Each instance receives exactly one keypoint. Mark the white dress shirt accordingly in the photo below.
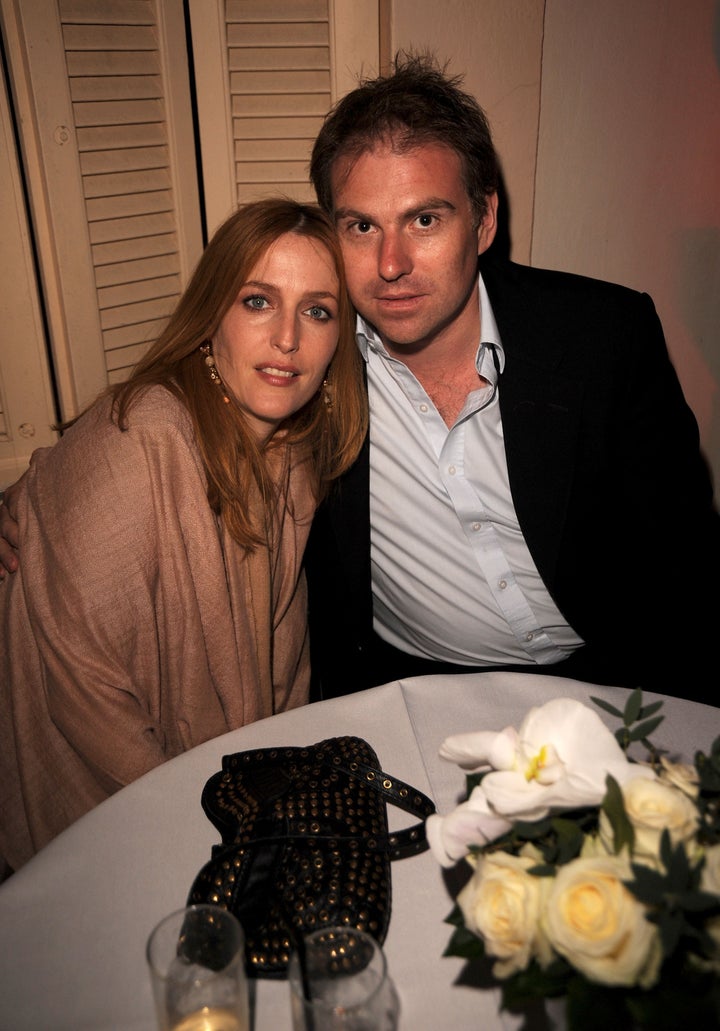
(452, 576)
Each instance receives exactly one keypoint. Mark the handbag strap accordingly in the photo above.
(410, 840)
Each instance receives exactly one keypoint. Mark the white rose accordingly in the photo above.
(501, 904)
(594, 922)
(653, 807)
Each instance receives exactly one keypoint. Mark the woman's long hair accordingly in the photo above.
(327, 438)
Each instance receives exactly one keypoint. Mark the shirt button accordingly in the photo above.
(423, 408)
(502, 584)
(452, 470)
(529, 636)
(476, 526)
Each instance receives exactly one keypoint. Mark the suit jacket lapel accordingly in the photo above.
(540, 409)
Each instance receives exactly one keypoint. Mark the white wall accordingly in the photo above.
(607, 120)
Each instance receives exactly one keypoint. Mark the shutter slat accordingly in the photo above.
(144, 311)
(138, 290)
(97, 161)
(109, 62)
(302, 192)
(104, 137)
(278, 10)
(124, 206)
(271, 172)
(282, 149)
(276, 128)
(107, 253)
(109, 37)
(289, 34)
(260, 59)
(121, 112)
(124, 337)
(132, 271)
(127, 228)
(115, 87)
(280, 82)
(143, 181)
(113, 12)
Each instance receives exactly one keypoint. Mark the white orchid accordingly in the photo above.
(472, 823)
(559, 759)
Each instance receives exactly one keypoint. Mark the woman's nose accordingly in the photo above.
(286, 337)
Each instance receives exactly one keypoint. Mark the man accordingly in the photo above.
(531, 495)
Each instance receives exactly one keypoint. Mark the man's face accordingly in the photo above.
(407, 232)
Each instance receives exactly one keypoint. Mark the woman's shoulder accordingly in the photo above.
(157, 406)
(155, 415)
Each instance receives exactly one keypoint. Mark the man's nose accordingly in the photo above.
(394, 259)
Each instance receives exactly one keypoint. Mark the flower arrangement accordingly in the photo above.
(594, 878)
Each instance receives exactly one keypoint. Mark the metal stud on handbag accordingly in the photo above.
(305, 844)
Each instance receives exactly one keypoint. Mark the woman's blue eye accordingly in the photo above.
(256, 302)
(316, 312)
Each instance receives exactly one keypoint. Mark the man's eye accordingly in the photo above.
(425, 220)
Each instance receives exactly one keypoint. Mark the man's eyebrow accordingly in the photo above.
(428, 204)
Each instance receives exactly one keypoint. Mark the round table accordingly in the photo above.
(75, 919)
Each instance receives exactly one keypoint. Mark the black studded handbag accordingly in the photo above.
(305, 844)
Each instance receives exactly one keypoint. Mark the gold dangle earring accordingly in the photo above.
(209, 359)
(328, 394)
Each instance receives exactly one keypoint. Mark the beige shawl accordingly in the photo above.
(136, 627)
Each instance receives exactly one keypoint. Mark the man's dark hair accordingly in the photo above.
(416, 103)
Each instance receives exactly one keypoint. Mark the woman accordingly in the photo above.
(178, 613)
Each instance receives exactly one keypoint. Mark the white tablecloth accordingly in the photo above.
(74, 921)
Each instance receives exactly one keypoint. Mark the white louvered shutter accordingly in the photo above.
(108, 90)
(102, 91)
(266, 73)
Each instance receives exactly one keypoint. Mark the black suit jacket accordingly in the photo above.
(610, 488)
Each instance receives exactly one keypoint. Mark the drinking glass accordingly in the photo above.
(339, 982)
(196, 958)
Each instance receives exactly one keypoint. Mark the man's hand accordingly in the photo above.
(9, 536)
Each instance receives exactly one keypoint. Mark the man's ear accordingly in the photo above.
(488, 227)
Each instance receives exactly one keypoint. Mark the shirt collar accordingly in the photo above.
(490, 342)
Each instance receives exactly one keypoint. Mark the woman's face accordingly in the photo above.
(274, 345)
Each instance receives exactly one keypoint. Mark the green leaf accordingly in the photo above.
(646, 728)
(465, 944)
(543, 870)
(455, 917)
(569, 839)
(648, 886)
(622, 736)
(614, 807)
(632, 707)
(704, 902)
(650, 710)
(607, 707)
(670, 924)
(593, 1007)
(532, 831)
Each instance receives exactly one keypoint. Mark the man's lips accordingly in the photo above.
(398, 302)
